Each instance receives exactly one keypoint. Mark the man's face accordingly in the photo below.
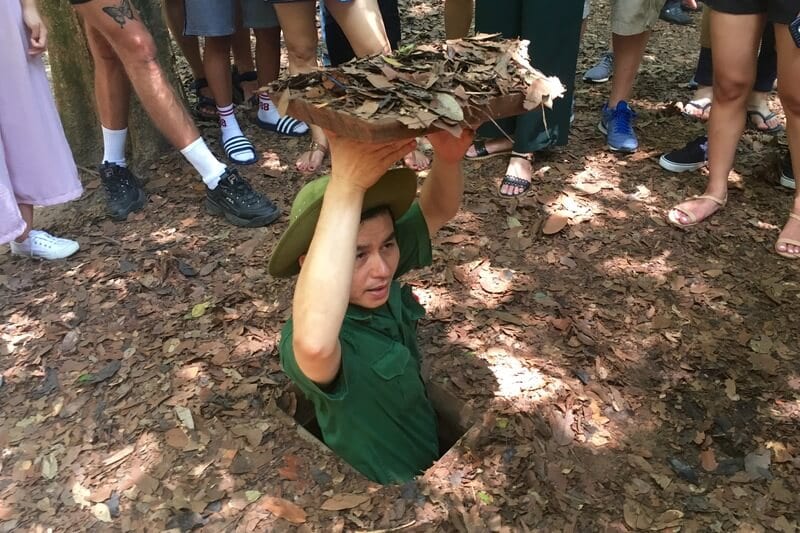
(377, 257)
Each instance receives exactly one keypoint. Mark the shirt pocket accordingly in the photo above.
(398, 377)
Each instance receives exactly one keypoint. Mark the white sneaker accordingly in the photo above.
(44, 246)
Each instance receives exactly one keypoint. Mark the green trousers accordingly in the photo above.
(553, 28)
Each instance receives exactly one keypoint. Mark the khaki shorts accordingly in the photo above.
(631, 17)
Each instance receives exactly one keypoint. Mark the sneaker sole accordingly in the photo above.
(788, 182)
(256, 222)
(134, 206)
(604, 131)
(666, 164)
(596, 80)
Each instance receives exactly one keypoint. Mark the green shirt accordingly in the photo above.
(377, 415)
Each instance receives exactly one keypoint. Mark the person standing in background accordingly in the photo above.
(36, 164)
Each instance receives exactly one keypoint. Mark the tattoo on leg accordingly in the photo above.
(121, 13)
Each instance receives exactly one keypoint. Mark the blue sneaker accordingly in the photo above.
(617, 125)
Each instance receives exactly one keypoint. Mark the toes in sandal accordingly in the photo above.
(314, 146)
(291, 127)
(239, 145)
(516, 181)
(693, 220)
(481, 152)
(415, 157)
(764, 119)
(702, 105)
(790, 242)
(513, 181)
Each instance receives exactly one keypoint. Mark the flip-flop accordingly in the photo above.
(285, 126)
(693, 220)
(237, 145)
(698, 105)
(482, 153)
(764, 118)
(791, 242)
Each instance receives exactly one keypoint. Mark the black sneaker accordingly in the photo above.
(787, 176)
(673, 13)
(236, 200)
(124, 193)
(691, 157)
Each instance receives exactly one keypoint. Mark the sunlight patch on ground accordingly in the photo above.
(514, 378)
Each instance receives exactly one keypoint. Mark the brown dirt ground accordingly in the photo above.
(621, 374)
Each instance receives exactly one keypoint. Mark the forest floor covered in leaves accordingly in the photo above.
(617, 375)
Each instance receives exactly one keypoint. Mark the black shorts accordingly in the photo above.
(778, 11)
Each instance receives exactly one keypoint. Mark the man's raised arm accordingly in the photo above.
(323, 286)
(442, 191)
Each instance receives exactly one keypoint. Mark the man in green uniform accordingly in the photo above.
(351, 345)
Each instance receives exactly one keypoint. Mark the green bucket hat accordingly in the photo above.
(396, 190)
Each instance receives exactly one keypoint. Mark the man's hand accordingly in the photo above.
(38, 31)
(362, 164)
(450, 149)
(690, 4)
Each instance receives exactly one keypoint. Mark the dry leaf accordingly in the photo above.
(764, 363)
(340, 502)
(283, 509)
(101, 512)
(637, 515)
(176, 438)
(49, 466)
(757, 464)
(730, 390)
(185, 416)
(708, 461)
(560, 426)
(554, 224)
(118, 456)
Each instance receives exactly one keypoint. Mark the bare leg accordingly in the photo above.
(242, 54)
(217, 63)
(789, 91)
(175, 15)
(243, 59)
(268, 54)
(628, 53)
(362, 23)
(298, 21)
(26, 210)
(112, 89)
(135, 50)
(457, 18)
(735, 40)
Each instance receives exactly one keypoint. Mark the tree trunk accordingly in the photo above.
(73, 84)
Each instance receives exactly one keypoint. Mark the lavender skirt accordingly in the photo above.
(36, 165)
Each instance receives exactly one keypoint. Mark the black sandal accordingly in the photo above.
(482, 153)
(515, 181)
(206, 107)
(237, 79)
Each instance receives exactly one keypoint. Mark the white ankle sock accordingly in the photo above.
(267, 111)
(228, 123)
(230, 129)
(114, 146)
(204, 162)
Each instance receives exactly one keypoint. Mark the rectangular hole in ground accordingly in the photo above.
(454, 417)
